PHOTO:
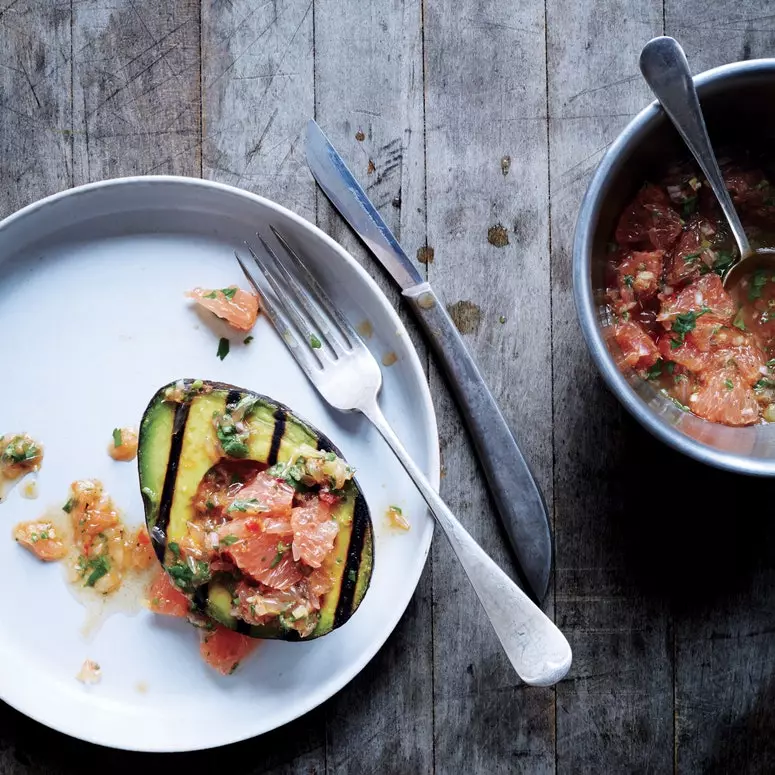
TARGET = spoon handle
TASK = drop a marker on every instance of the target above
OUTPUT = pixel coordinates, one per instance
(664, 66)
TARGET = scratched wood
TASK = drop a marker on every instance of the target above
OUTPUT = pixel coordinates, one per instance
(35, 127)
(487, 162)
(615, 711)
(369, 101)
(725, 592)
(667, 600)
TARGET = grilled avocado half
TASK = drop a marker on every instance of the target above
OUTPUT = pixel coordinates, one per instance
(178, 445)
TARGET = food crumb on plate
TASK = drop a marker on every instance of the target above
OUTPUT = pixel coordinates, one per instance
(366, 329)
(396, 518)
(90, 672)
(388, 359)
(30, 488)
(141, 687)
(123, 444)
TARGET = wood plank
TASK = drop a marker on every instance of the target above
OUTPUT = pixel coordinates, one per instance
(257, 77)
(369, 100)
(725, 621)
(135, 88)
(35, 115)
(257, 73)
(488, 225)
(615, 711)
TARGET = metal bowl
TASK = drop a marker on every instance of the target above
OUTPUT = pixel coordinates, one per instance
(739, 105)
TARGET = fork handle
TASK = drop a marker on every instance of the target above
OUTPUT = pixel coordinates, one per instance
(517, 496)
(536, 648)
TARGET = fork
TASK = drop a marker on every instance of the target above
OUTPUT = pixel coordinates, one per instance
(347, 376)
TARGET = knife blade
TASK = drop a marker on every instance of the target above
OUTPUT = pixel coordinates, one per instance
(518, 499)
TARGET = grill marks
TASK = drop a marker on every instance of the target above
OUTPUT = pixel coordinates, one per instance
(277, 435)
(360, 527)
(159, 531)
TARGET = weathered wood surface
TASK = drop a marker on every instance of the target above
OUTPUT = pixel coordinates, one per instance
(483, 122)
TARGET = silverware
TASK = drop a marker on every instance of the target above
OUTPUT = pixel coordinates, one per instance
(517, 496)
(348, 377)
(665, 69)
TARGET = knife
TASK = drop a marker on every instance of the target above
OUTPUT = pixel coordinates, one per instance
(517, 497)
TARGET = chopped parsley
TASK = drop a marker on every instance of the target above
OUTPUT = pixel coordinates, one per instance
(189, 574)
(683, 324)
(352, 575)
(117, 441)
(229, 292)
(724, 261)
(233, 443)
(653, 373)
(764, 384)
(223, 348)
(99, 567)
(211, 295)
(758, 281)
(738, 322)
(246, 505)
(19, 450)
(248, 339)
(229, 540)
(314, 342)
(174, 548)
(629, 280)
(281, 550)
(690, 258)
(729, 384)
(70, 505)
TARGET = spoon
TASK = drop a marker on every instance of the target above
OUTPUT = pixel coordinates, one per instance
(665, 69)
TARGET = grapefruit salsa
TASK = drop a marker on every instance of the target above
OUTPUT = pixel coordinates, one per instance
(710, 350)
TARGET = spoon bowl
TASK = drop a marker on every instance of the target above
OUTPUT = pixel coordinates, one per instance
(665, 68)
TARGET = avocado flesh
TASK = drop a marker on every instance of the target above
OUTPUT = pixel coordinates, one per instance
(178, 445)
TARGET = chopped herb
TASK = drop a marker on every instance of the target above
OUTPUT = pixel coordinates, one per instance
(223, 348)
(738, 322)
(174, 548)
(689, 206)
(729, 384)
(683, 324)
(724, 261)
(189, 574)
(247, 339)
(70, 505)
(229, 540)
(197, 385)
(99, 567)
(764, 384)
(44, 535)
(758, 281)
(232, 443)
(654, 372)
(771, 364)
(211, 295)
(314, 342)
(678, 378)
(209, 505)
(670, 367)
(229, 292)
(629, 280)
(246, 505)
(117, 441)
(396, 509)
(20, 449)
(690, 257)
(330, 457)
(351, 575)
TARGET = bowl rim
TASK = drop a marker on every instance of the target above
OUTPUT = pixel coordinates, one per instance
(586, 309)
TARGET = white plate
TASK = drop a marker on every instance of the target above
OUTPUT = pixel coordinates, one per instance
(94, 321)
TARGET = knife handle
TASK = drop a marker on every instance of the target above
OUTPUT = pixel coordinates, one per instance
(517, 496)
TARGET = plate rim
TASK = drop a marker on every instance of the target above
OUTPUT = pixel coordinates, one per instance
(430, 431)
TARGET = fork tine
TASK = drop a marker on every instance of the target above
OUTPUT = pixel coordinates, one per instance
(306, 301)
(322, 298)
(281, 322)
(291, 306)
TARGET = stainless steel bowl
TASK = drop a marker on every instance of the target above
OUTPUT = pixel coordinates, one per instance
(739, 105)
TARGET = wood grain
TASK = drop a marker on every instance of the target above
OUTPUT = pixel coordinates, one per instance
(486, 100)
(615, 711)
(724, 593)
(135, 88)
(35, 125)
(369, 101)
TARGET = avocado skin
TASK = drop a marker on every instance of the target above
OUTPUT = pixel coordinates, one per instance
(178, 445)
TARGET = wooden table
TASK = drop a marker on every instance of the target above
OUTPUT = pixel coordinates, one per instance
(476, 125)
